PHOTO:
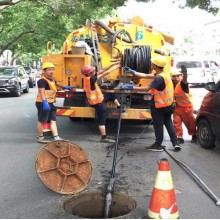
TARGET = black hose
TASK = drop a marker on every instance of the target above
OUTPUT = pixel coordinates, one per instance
(112, 32)
(138, 58)
(196, 179)
(110, 188)
(117, 33)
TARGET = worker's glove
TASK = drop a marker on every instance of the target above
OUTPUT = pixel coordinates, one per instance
(127, 86)
(129, 70)
(46, 106)
(68, 87)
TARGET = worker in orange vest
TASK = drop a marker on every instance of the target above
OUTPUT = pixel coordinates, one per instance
(162, 101)
(183, 112)
(46, 96)
(96, 98)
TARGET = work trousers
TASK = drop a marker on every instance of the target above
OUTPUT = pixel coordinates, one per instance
(161, 117)
(101, 113)
(184, 114)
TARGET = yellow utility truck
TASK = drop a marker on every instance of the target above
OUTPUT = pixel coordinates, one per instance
(108, 46)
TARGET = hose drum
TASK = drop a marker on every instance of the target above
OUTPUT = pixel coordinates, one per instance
(138, 58)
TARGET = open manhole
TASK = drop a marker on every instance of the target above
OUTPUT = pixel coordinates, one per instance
(92, 205)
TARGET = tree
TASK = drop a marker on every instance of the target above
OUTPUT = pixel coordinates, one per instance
(27, 25)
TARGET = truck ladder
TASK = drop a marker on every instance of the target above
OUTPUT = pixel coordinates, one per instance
(96, 50)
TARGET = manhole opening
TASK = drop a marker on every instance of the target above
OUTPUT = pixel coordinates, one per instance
(91, 205)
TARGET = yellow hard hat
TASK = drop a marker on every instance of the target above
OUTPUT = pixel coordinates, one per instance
(47, 65)
(159, 60)
(175, 72)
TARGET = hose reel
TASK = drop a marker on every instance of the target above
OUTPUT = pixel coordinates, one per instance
(138, 58)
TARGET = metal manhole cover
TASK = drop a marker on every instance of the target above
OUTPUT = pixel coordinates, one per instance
(64, 167)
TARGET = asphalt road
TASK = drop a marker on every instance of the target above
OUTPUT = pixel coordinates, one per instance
(23, 195)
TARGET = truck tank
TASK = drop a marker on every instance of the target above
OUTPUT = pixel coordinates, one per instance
(108, 46)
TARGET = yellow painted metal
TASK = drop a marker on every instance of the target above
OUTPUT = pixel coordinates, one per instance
(89, 112)
(141, 35)
(67, 68)
(68, 65)
(78, 112)
(136, 114)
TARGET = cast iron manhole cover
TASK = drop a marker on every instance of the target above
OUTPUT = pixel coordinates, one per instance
(64, 167)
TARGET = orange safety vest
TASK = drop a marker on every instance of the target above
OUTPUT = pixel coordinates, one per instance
(182, 98)
(94, 96)
(164, 98)
(50, 94)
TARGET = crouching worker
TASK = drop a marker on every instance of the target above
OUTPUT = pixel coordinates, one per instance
(46, 96)
(95, 98)
(183, 112)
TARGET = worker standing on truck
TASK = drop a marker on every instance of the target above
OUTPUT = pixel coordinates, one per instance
(95, 98)
(183, 112)
(162, 101)
(46, 96)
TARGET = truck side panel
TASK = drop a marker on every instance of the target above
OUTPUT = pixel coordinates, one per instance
(67, 68)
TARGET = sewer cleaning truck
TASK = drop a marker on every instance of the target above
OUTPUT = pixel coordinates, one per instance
(108, 46)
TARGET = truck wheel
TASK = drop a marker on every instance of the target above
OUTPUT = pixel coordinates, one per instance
(205, 136)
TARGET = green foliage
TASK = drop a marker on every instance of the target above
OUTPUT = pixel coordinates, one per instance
(27, 26)
(206, 5)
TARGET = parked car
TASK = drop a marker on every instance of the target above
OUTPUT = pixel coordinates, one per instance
(14, 80)
(200, 70)
(32, 76)
(208, 117)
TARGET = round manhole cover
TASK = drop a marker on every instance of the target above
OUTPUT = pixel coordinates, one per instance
(64, 167)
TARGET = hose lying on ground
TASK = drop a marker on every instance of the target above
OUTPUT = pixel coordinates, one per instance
(196, 178)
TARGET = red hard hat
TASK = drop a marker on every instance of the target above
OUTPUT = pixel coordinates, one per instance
(87, 69)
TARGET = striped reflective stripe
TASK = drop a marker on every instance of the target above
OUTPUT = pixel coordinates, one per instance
(64, 112)
(164, 92)
(163, 101)
(164, 98)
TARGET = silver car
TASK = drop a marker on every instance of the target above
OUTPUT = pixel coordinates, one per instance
(13, 80)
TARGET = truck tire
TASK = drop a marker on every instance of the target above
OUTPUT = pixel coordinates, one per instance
(205, 136)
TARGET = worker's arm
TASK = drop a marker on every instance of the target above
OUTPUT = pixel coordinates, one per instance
(42, 93)
(64, 87)
(59, 85)
(184, 72)
(144, 75)
(101, 73)
(138, 74)
(46, 106)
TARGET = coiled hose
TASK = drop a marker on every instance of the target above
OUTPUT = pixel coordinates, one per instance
(138, 58)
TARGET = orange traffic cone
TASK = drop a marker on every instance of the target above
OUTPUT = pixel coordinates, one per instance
(46, 129)
(163, 201)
